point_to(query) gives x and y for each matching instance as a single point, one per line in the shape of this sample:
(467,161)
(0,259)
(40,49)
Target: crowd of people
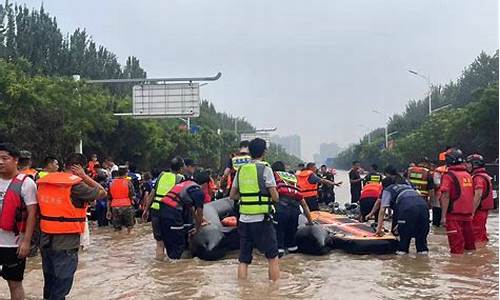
(47,208)
(458,191)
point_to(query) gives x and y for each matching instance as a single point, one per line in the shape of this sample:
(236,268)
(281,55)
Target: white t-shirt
(28,192)
(270,182)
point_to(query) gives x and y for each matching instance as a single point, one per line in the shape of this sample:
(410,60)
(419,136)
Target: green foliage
(470,124)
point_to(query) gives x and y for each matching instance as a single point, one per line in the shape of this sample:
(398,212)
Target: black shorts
(155,223)
(12,266)
(260,235)
(312,203)
(366,205)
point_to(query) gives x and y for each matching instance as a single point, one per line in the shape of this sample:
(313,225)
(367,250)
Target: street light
(428,80)
(387,134)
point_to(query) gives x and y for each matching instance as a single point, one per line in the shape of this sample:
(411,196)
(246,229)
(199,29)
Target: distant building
(326,152)
(290,143)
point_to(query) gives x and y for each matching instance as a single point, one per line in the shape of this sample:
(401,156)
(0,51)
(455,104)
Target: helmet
(453,157)
(476,160)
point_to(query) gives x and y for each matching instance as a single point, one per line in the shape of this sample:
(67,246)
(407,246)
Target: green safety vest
(254,196)
(240,160)
(287,177)
(42,174)
(165,183)
(375,178)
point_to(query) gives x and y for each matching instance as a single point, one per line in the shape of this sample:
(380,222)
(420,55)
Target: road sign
(266,136)
(168,100)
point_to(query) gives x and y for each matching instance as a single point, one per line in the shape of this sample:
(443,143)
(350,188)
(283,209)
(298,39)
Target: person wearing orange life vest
(63,199)
(483,198)
(120,200)
(457,203)
(176,213)
(287,209)
(18,208)
(308,183)
(25,163)
(370,194)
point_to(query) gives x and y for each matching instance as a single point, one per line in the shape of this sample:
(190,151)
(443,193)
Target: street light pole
(428,80)
(385,129)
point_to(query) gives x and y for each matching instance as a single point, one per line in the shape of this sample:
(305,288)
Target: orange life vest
(371,190)
(119,191)
(307,189)
(175,195)
(58,215)
(30,172)
(462,195)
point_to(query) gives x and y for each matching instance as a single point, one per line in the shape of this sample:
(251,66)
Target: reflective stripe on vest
(254,196)
(419,177)
(174,196)
(119,191)
(240,160)
(307,189)
(375,178)
(166,182)
(286,185)
(58,215)
(13,213)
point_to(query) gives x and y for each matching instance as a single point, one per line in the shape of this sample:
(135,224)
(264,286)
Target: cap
(189,162)
(25,154)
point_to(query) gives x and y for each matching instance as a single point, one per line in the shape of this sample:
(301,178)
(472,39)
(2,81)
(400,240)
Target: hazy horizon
(316,69)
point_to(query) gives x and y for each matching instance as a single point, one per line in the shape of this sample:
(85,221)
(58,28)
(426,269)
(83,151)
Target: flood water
(118,266)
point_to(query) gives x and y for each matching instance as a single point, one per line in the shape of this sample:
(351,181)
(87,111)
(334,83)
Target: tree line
(470,122)
(46,111)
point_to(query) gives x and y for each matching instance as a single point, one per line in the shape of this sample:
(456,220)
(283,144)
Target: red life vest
(119,190)
(371,190)
(286,188)
(462,194)
(307,189)
(14,214)
(487,202)
(173,197)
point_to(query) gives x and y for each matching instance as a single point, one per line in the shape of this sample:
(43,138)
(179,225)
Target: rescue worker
(234,163)
(421,178)
(63,198)
(184,199)
(287,209)
(327,192)
(24,164)
(457,203)
(120,201)
(436,201)
(255,189)
(356,182)
(370,193)
(50,165)
(18,209)
(308,183)
(410,217)
(374,176)
(165,182)
(483,198)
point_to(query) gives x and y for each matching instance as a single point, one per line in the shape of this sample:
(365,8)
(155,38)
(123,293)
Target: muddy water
(118,266)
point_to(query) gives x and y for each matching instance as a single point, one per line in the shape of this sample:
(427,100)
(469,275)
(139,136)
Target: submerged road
(119,266)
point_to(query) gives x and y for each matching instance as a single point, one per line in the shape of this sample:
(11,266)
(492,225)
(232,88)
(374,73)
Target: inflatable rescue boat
(215,239)
(340,232)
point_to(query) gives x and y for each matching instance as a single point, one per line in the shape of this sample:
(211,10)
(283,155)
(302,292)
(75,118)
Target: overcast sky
(315,68)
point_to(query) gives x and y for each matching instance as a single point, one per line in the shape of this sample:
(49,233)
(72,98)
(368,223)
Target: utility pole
(79,145)
(428,80)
